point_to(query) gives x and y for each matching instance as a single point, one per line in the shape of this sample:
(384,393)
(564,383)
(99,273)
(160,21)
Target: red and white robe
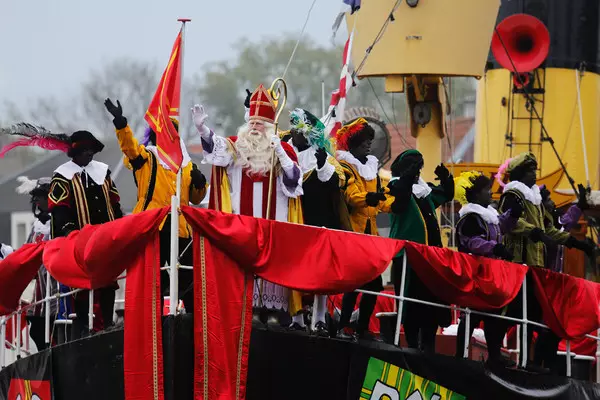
(233,190)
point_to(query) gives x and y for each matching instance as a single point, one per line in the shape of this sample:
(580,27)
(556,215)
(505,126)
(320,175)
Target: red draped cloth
(471,281)
(229,249)
(16,272)
(570,305)
(93,258)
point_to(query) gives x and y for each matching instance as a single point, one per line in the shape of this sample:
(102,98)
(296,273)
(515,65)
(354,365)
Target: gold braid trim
(80,201)
(154,330)
(109,209)
(241,343)
(204,317)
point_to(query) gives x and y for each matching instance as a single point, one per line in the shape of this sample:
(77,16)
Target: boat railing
(523,324)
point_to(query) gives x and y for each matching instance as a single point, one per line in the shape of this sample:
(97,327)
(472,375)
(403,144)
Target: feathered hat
(311,128)
(33,187)
(33,135)
(523,160)
(262,106)
(464,183)
(353,133)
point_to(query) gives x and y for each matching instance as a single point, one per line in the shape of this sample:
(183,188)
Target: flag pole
(175,200)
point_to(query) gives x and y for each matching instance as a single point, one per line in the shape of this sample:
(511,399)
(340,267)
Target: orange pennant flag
(165,104)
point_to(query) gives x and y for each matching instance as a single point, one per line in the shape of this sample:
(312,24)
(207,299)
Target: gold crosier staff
(276,93)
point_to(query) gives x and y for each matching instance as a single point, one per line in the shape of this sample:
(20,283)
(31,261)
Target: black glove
(441,172)
(321,155)
(582,197)
(583,245)
(198,179)
(502,252)
(396,187)
(117,112)
(536,235)
(517,209)
(373,198)
(247,101)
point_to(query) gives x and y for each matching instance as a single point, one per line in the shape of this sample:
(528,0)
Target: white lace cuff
(220,155)
(324,174)
(290,192)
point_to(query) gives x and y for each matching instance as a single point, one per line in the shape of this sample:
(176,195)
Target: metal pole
(91,311)
(467,333)
(47,312)
(174,275)
(314,312)
(400,301)
(583,142)
(524,332)
(568,355)
(18,327)
(598,358)
(518,344)
(322,97)
(2,341)
(174,278)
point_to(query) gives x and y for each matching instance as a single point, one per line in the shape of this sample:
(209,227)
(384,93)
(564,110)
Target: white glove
(200,116)
(285,161)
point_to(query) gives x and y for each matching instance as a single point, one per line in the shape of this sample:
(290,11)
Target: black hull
(291,366)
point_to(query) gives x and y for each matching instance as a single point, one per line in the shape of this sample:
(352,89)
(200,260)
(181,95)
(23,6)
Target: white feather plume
(26,186)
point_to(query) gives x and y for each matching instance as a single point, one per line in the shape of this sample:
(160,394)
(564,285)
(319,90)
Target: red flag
(337,106)
(165,104)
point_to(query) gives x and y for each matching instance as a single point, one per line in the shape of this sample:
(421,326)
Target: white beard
(254,151)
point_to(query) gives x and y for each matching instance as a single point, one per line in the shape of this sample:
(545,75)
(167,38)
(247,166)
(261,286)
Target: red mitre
(262,106)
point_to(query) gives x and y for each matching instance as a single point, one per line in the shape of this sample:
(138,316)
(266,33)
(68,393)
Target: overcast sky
(48,47)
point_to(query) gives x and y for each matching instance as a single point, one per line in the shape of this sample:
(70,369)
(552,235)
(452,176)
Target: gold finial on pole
(278,90)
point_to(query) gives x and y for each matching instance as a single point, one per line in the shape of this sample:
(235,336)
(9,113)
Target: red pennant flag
(165,104)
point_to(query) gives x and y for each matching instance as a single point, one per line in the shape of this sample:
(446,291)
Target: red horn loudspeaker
(525,41)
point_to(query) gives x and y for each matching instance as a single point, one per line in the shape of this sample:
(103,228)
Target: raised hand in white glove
(285,161)
(200,116)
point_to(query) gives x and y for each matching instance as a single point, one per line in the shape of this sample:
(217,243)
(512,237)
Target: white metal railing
(15,318)
(522,323)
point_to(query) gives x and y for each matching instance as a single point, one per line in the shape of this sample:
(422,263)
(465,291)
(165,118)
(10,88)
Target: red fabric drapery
(338,261)
(570,305)
(16,271)
(470,281)
(96,255)
(229,249)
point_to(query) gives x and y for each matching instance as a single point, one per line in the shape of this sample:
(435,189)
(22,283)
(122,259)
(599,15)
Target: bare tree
(130,81)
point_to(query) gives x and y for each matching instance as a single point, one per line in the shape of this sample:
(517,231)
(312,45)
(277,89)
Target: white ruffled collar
(39,227)
(95,170)
(306,159)
(420,189)
(184,152)
(532,194)
(489,214)
(368,170)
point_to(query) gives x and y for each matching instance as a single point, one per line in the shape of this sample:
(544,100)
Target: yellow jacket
(143,163)
(356,193)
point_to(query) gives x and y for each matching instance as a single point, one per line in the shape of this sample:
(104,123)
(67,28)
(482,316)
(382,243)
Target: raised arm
(129,145)
(215,149)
